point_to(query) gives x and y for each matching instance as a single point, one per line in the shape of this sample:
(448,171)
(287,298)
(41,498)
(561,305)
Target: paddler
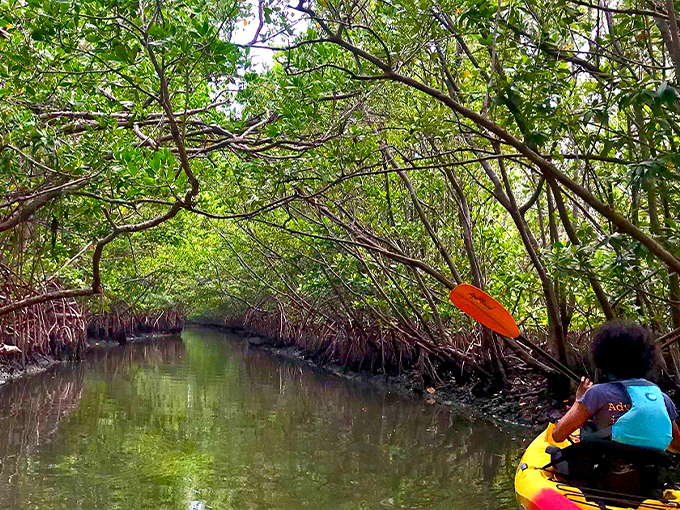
(627,408)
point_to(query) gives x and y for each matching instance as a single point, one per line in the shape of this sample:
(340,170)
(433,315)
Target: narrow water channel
(205,423)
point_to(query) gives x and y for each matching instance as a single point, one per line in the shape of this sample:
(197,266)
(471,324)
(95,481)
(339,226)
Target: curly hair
(624,350)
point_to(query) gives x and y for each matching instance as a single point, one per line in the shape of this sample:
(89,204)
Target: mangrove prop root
(53,329)
(122,322)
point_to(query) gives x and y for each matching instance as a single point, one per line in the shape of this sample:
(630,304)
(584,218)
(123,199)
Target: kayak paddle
(490,313)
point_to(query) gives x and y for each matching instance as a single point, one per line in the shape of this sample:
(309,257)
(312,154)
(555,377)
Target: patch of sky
(268,27)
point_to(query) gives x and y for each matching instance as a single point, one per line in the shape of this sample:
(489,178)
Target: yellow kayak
(540,489)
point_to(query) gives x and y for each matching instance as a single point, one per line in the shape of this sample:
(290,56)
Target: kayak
(542,489)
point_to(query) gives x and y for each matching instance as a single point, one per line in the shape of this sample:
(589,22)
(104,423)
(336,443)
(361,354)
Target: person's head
(624,350)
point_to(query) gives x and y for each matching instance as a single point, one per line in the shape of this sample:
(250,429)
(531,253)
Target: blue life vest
(646,424)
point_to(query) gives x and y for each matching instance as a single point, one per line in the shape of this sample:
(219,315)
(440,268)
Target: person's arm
(675,442)
(576,417)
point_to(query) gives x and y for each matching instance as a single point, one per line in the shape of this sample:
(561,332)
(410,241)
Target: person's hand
(583,387)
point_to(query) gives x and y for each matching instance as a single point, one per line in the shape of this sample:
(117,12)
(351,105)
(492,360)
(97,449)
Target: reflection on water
(204,423)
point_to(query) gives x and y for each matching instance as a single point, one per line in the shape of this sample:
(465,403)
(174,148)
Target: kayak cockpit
(629,483)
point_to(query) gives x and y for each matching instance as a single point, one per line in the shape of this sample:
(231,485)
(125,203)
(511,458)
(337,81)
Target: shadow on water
(205,423)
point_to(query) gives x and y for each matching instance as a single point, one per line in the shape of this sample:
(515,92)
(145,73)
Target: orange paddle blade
(484,309)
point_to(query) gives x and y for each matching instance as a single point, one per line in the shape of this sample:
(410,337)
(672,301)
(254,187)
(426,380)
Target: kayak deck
(539,489)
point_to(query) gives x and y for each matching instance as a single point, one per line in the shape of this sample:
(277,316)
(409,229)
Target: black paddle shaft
(560,367)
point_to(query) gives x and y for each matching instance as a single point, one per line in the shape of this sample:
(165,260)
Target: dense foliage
(393,149)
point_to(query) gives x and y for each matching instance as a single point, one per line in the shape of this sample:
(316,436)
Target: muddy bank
(10,371)
(464,367)
(527,404)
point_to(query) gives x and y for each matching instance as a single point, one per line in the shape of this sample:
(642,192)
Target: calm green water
(204,423)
